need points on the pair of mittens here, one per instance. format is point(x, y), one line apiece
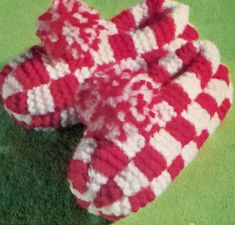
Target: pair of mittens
point(147, 90)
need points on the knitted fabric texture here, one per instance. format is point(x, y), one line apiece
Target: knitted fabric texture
point(38, 88)
point(142, 128)
point(148, 91)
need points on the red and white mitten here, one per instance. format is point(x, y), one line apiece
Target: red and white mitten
point(38, 88)
point(142, 130)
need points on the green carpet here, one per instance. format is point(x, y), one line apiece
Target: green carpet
point(33, 187)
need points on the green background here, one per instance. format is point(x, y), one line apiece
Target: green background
point(33, 187)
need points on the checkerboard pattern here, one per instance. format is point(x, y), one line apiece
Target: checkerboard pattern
point(143, 131)
point(38, 88)
point(147, 90)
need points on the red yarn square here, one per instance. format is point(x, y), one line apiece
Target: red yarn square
point(175, 96)
point(181, 129)
point(208, 103)
point(109, 193)
point(150, 162)
point(32, 73)
point(123, 46)
point(63, 91)
point(141, 199)
point(109, 160)
point(47, 121)
point(124, 21)
point(176, 166)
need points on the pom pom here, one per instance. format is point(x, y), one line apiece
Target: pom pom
point(69, 28)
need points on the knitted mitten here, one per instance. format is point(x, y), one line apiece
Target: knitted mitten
point(138, 136)
point(38, 88)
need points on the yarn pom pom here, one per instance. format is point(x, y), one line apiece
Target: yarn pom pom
point(69, 27)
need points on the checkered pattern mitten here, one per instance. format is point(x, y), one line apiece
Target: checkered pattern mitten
point(142, 128)
point(38, 88)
